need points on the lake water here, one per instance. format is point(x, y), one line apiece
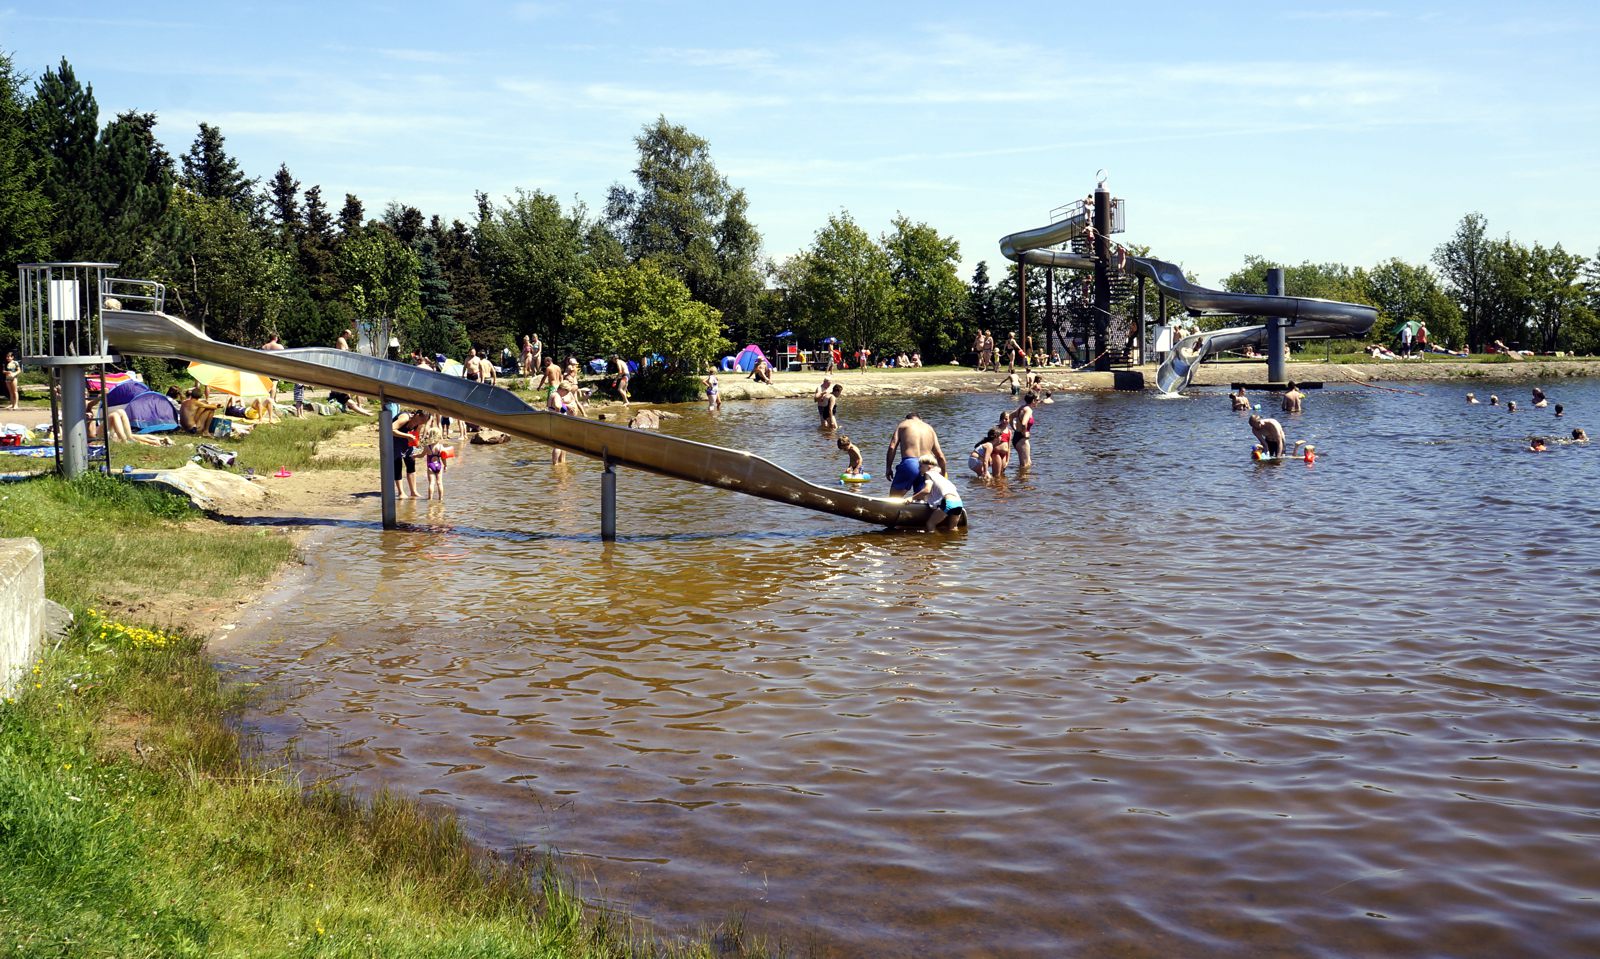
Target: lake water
point(1159, 700)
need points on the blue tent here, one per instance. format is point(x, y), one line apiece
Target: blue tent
point(148, 411)
point(729, 364)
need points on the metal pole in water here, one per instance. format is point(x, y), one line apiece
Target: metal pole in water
point(608, 502)
point(74, 437)
point(1276, 338)
point(1102, 274)
point(386, 459)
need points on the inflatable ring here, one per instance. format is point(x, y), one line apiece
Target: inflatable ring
point(855, 477)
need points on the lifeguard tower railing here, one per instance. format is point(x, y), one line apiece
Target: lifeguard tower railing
point(61, 331)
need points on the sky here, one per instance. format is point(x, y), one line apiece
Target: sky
point(1337, 132)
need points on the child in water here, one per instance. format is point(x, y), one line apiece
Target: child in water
point(713, 392)
point(849, 448)
point(436, 459)
point(937, 491)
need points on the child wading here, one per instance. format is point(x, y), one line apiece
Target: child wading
point(437, 458)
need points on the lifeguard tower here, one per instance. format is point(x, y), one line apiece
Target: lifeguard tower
point(61, 331)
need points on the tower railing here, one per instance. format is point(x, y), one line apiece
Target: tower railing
point(61, 331)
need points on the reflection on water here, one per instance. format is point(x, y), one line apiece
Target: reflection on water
point(1159, 701)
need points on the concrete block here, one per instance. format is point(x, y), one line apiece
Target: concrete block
point(22, 608)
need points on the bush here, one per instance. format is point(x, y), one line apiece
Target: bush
point(665, 384)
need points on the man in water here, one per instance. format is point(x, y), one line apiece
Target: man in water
point(1270, 433)
point(1293, 400)
point(1239, 400)
point(913, 438)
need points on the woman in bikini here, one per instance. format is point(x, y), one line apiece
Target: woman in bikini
point(982, 454)
point(1000, 458)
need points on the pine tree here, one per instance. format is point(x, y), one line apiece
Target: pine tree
point(133, 187)
point(211, 173)
point(405, 221)
point(352, 217)
point(472, 302)
point(63, 125)
point(283, 196)
point(24, 208)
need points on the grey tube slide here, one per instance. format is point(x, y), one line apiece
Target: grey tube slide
point(157, 334)
point(1305, 316)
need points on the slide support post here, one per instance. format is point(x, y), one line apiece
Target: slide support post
point(386, 459)
point(74, 439)
point(608, 502)
point(1277, 339)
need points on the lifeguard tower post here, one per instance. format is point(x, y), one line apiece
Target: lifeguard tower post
point(61, 332)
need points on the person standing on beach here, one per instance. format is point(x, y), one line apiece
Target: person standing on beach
point(1011, 348)
point(623, 376)
point(13, 370)
point(977, 350)
point(912, 438)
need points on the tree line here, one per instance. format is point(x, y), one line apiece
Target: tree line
point(671, 264)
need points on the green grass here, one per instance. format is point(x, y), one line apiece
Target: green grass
point(133, 822)
point(290, 443)
point(132, 825)
point(123, 544)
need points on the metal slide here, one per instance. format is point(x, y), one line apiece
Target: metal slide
point(1305, 316)
point(157, 334)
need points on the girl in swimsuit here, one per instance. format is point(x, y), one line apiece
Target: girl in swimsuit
point(713, 393)
point(978, 460)
point(1001, 457)
point(564, 400)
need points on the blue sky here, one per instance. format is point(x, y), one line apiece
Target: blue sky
point(1298, 132)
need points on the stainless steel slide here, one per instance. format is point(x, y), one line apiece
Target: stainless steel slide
point(1305, 316)
point(157, 334)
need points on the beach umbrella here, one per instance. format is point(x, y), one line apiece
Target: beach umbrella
point(232, 382)
point(785, 334)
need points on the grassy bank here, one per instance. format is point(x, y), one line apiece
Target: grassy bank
point(132, 822)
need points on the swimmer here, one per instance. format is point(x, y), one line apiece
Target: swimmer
point(1494, 400)
point(1293, 401)
point(1270, 433)
point(1579, 436)
point(1511, 406)
point(937, 491)
point(850, 450)
point(1239, 400)
point(1560, 411)
point(1536, 445)
point(1472, 400)
point(1539, 402)
point(1012, 381)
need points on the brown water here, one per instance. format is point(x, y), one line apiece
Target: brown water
point(1159, 701)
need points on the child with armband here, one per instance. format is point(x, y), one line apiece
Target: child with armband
point(436, 456)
